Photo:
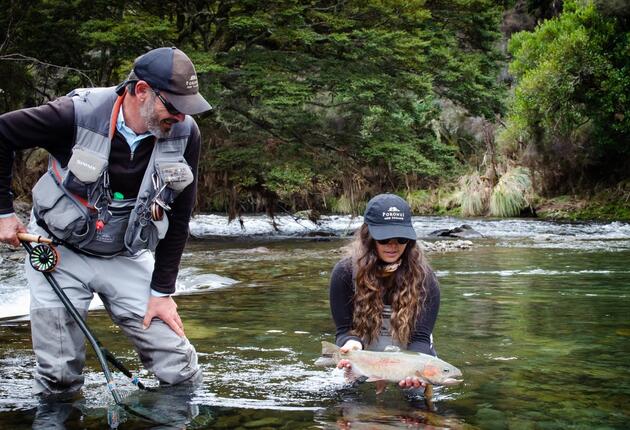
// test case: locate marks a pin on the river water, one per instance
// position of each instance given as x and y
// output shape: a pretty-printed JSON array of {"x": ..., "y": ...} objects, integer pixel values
[{"x": 536, "y": 315}]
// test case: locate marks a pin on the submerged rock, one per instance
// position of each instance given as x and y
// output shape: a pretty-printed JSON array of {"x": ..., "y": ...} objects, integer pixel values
[{"x": 257, "y": 250}]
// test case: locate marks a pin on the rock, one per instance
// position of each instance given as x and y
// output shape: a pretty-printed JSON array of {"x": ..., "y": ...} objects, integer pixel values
[
  {"x": 309, "y": 214},
  {"x": 463, "y": 231},
  {"x": 445, "y": 245},
  {"x": 22, "y": 210}
]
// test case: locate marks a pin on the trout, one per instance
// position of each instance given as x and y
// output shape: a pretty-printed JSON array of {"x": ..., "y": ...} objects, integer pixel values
[{"x": 393, "y": 366}]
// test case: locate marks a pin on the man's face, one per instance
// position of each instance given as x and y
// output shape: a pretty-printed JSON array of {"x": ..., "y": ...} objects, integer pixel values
[{"x": 159, "y": 121}]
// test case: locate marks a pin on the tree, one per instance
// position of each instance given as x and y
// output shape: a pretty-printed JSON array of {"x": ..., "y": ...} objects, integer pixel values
[
  {"x": 326, "y": 87},
  {"x": 571, "y": 101}
]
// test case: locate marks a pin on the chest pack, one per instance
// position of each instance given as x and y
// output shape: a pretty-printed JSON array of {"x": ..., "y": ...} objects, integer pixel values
[{"x": 75, "y": 203}]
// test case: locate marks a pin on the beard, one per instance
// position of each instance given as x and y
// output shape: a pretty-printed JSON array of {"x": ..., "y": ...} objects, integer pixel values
[{"x": 156, "y": 126}]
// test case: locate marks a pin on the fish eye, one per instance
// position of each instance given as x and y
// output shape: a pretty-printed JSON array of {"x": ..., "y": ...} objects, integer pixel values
[{"x": 445, "y": 370}]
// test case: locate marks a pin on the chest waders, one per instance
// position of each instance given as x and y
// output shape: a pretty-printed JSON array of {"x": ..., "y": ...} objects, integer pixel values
[{"x": 44, "y": 259}]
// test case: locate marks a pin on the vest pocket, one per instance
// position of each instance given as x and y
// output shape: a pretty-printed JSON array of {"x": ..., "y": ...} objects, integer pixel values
[
  {"x": 64, "y": 217},
  {"x": 148, "y": 235},
  {"x": 75, "y": 186},
  {"x": 110, "y": 239}
]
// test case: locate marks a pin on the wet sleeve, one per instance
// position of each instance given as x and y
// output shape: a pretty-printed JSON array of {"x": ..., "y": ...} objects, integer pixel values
[
  {"x": 49, "y": 126},
  {"x": 168, "y": 253},
  {"x": 341, "y": 295},
  {"x": 421, "y": 336}
]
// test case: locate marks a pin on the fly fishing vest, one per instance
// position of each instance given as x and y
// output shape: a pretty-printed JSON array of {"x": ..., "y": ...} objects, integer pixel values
[{"x": 75, "y": 203}]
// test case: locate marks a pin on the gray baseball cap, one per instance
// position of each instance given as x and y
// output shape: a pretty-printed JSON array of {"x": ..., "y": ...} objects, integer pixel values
[
  {"x": 388, "y": 216},
  {"x": 171, "y": 72}
]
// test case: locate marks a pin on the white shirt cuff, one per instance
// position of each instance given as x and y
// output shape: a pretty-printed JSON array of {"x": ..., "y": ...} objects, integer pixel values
[{"x": 158, "y": 294}]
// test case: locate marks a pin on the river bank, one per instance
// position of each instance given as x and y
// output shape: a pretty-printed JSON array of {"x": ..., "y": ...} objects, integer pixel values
[{"x": 604, "y": 206}]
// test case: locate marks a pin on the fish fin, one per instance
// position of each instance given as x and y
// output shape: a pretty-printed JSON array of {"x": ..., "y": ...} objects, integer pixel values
[
  {"x": 373, "y": 379},
  {"x": 354, "y": 378},
  {"x": 392, "y": 348},
  {"x": 381, "y": 385},
  {"x": 330, "y": 355},
  {"x": 428, "y": 398},
  {"x": 428, "y": 392}
]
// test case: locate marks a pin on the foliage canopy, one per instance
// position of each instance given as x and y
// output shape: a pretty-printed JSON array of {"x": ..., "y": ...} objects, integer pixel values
[{"x": 312, "y": 99}]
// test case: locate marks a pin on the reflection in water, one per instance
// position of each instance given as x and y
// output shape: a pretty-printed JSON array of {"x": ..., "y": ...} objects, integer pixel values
[
  {"x": 353, "y": 412},
  {"x": 161, "y": 408}
]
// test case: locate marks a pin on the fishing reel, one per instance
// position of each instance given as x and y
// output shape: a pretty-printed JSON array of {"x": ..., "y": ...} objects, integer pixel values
[{"x": 43, "y": 257}]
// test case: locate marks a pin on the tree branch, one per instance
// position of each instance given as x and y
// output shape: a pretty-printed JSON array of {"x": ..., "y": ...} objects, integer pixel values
[{"x": 24, "y": 58}]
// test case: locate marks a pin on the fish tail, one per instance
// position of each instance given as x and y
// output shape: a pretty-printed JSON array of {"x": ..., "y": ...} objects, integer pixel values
[
  {"x": 329, "y": 348},
  {"x": 330, "y": 355}
]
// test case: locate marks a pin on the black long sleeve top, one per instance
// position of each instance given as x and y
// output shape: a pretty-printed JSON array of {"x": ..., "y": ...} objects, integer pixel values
[
  {"x": 342, "y": 308},
  {"x": 51, "y": 126}
]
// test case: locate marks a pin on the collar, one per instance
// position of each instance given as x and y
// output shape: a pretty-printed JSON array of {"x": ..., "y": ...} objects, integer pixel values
[{"x": 130, "y": 136}]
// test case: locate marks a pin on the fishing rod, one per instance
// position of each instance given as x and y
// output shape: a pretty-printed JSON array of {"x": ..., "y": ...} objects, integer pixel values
[{"x": 44, "y": 258}]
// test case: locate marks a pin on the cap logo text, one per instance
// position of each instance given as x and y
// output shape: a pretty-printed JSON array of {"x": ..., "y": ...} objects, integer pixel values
[
  {"x": 192, "y": 82},
  {"x": 393, "y": 213}
]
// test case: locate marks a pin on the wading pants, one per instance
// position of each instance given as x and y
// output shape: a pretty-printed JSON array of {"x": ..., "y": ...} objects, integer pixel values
[{"x": 123, "y": 284}]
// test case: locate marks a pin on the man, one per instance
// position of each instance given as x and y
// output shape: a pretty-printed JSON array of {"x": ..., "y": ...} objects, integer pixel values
[{"x": 121, "y": 182}]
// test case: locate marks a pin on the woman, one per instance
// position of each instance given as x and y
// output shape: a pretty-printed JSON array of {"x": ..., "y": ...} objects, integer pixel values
[{"x": 385, "y": 293}]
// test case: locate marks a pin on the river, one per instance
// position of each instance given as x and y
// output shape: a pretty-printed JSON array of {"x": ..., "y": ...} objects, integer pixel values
[{"x": 536, "y": 315}]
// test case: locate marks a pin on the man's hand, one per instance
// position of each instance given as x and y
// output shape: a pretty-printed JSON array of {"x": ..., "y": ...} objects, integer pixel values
[
  {"x": 165, "y": 309},
  {"x": 9, "y": 228}
]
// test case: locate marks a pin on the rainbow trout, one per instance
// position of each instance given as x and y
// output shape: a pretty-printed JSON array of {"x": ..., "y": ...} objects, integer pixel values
[{"x": 393, "y": 366}]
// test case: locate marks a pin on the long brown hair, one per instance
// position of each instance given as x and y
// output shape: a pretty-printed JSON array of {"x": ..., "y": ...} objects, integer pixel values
[{"x": 409, "y": 289}]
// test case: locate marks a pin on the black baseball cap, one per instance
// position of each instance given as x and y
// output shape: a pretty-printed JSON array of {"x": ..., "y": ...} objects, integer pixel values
[
  {"x": 388, "y": 216},
  {"x": 171, "y": 72}
]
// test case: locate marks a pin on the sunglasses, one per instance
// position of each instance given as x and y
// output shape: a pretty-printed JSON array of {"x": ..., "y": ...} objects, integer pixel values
[
  {"x": 399, "y": 240},
  {"x": 169, "y": 107}
]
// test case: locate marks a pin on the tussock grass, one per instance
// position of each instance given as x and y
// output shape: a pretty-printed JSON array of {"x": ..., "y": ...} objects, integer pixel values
[
  {"x": 511, "y": 194},
  {"x": 473, "y": 194}
]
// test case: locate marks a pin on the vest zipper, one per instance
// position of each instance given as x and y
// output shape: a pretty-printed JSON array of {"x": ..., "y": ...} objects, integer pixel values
[{"x": 131, "y": 156}]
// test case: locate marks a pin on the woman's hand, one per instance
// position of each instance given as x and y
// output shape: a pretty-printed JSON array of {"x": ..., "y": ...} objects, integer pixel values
[
  {"x": 351, "y": 345},
  {"x": 411, "y": 382}
]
